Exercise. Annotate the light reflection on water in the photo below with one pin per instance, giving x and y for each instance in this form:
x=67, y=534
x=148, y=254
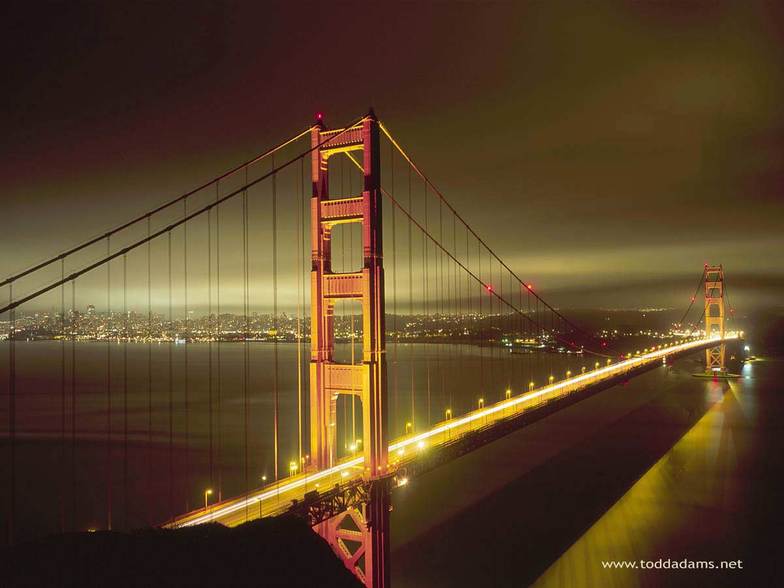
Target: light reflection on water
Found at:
x=691, y=497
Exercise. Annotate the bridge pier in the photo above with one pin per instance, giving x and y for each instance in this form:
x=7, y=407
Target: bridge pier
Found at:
x=359, y=535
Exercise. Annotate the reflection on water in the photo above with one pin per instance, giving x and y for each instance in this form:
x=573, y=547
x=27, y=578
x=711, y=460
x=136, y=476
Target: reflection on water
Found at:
x=687, y=498
x=667, y=466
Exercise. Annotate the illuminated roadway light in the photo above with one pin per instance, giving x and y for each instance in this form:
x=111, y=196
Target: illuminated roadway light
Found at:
x=343, y=468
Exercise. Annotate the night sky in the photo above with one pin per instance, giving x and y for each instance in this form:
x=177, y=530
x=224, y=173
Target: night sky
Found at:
x=606, y=150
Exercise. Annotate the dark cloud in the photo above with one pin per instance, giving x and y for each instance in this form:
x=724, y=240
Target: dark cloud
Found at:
x=594, y=144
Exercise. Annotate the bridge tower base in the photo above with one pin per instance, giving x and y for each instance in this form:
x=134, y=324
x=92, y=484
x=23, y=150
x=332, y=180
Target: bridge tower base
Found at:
x=359, y=536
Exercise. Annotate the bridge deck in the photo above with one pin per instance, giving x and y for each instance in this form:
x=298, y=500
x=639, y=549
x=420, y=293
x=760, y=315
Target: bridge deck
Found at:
x=277, y=497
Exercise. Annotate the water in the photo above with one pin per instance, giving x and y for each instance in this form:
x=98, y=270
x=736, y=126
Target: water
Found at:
x=666, y=466
x=164, y=464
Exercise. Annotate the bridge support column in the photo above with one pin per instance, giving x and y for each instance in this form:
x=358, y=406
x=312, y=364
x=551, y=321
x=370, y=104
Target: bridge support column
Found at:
x=359, y=536
x=365, y=529
x=714, y=318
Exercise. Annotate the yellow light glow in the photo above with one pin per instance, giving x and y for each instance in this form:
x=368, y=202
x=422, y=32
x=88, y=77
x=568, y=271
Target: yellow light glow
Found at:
x=435, y=436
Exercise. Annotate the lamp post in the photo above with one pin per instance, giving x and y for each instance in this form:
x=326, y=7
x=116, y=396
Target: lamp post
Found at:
x=263, y=480
x=207, y=492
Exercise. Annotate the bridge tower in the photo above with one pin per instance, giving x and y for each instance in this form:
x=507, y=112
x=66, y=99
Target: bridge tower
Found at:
x=360, y=535
x=714, y=317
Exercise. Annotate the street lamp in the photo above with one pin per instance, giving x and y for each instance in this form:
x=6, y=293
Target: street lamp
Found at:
x=409, y=428
x=207, y=492
x=596, y=366
x=508, y=393
x=481, y=403
x=448, y=413
x=292, y=468
x=530, y=386
x=582, y=370
x=552, y=378
x=263, y=480
x=568, y=374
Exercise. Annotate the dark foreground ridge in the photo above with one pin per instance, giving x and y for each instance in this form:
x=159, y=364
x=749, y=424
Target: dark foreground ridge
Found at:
x=280, y=551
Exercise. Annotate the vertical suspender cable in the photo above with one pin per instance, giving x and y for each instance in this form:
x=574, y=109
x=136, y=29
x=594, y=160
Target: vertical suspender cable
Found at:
x=187, y=456
x=125, y=391
x=210, y=337
x=275, y=307
x=425, y=285
x=149, y=374
x=109, y=325
x=394, y=288
x=441, y=296
x=171, y=383
x=411, y=304
x=219, y=325
x=61, y=467
x=245, y=338
x=300, y=301
x=481, y=323
x=456, y=303
x=74, y=327
x=12, y=415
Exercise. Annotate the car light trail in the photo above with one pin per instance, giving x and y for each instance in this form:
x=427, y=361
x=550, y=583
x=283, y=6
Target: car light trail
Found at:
x=342, y=469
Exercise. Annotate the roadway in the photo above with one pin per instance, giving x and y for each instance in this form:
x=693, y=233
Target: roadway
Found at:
x=277, y=497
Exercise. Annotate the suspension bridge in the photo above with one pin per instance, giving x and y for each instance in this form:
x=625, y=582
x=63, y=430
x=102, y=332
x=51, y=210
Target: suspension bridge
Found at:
x=250, y=348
